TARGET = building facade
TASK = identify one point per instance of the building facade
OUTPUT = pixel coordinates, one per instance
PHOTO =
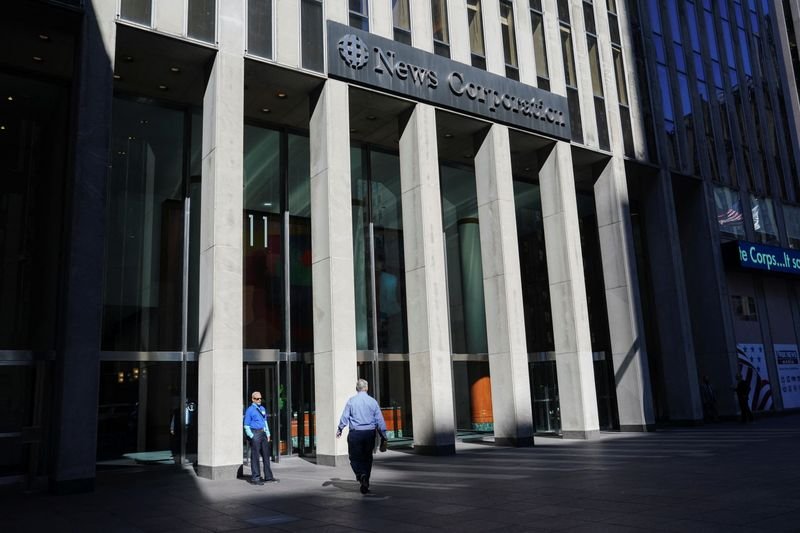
(498, 212)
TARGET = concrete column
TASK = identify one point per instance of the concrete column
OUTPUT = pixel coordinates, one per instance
(219, 416)
(502, 287)
(573, 346)
(169, 16)
(287, 32)
(382, 19)
(338, 11)
(459, 31)
(493, 38)
(422, 26)
(524, 33)
(332, 267)
(671, 309)
(628, 348)
(74, 432)
(426, 286)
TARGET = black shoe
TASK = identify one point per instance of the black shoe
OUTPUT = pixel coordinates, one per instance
(364, 485)
(256, 482)
(272, 480)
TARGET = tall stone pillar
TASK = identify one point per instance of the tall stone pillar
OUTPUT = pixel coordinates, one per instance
(628, 349)
(220, 396)
(80, 315)
(426, 286)
(502, 288)
(573, 346)
(332, 267)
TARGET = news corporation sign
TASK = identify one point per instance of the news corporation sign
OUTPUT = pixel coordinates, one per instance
(365, 59)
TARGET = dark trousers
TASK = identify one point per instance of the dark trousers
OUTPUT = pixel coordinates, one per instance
(259, 447)
(746, 414)
(359, 446)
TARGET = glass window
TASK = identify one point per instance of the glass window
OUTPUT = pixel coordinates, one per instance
(619, 71)
(563, 11)
(33, 161)
(259, 28)
(441, 30)
(401, 16)
(140, 11)
(792, 216)
(509, 39)
(263, 240)
(311, 29)
(539, 46)
(729, 213)
(764, 220)
(474, 18)
(298, 173)
(463, 253)
(568, 56)
(594, 66)
(144, 229)
(359, 14)
(201, 20)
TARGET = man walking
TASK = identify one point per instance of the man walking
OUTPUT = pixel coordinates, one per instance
(257, 430)
(363, 416)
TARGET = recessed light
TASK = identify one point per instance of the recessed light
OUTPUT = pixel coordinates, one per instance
(117, 77)
(10, 98)
(448, 135)
(371, 117)
(265, 110)
(129, 59)
(37, 58)
(281, 95)
(44, 37)
(467, 156)
(163, 87)
(353, 130)
(174, 69)
(131, 138)
(527, 169)
(267, 204)
(144, 121)
(2, 127)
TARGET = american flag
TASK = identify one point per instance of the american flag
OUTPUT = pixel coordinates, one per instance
(760, 390)
(731, 216)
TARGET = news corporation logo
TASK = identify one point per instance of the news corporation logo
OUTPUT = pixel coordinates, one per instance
(353, 51)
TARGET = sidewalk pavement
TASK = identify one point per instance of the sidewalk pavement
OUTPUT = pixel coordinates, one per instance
(720, 477)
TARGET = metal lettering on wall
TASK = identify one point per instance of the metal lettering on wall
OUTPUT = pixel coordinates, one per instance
(366, 59)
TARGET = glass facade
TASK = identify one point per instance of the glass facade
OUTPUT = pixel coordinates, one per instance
(441, 28)
(476, 46)
(139, 11)
(201, 23)
(259, 28)
(312, 55)
(401, 18)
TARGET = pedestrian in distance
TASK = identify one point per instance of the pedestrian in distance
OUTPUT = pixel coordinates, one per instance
(742, 389)
(257, 430)
(709, 397)
(362, 415)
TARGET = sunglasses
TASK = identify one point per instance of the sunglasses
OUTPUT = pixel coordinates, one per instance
(254, 399)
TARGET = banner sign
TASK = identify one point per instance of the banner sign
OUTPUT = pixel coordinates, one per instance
(788, 362)
(770, 258)
(366, 59)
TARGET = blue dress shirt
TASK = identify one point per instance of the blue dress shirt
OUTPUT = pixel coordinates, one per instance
(255, 418)
(362, 412)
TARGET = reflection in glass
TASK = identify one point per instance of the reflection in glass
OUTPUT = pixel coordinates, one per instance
(139, 11)
(791, 215)
(259, 28)
(401, 16)
(473, 396)
(141, 414)
(144, 230)
(201, 20)
(764, 220)
(311, 32)
(299, 204)
(463, 254)
(441, 30)
(729, 213)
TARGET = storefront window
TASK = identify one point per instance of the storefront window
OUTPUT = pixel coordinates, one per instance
(729, 213)
(791, 215)
(144, 229)
(764, 220)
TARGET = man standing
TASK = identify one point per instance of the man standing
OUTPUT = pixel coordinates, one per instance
(363, 416)
(257, 430)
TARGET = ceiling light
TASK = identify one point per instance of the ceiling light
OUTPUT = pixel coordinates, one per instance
(267, 204)
(129, 59)
(467, 155)
(448, 135)
(281, 95)
(10, 98)
(2, 127)
(163, 87)
(144, 121)
(371, 117)
(37, 58)
(174, 69)
(44, 37)
(527, 169)
(265, 110)
(353, 130)
(117, 77)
